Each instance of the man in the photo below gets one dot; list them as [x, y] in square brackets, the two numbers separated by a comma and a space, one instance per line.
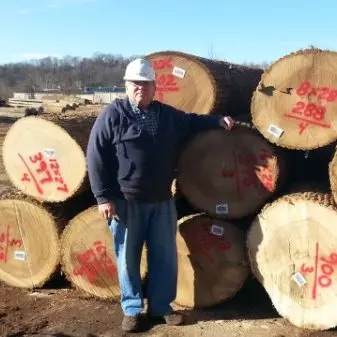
[131, 155]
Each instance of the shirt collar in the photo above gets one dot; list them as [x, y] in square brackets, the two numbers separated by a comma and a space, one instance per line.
[136, 109]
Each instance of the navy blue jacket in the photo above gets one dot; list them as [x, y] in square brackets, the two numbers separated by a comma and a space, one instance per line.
[126, 162]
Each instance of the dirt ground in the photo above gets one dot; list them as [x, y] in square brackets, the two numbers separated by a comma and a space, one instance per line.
[60, 310]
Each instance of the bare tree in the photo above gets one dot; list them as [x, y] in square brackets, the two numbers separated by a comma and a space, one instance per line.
[68, 73]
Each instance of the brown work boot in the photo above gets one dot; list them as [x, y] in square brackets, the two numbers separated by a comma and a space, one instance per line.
[172, 318]
[131, 323]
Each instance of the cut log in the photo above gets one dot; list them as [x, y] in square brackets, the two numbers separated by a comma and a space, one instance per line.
[212, 265]
[59, 106]
[294, 105]
[229, 174]
[29, 245]
[204, 86]
[11, 113]
[68, 98]
[27, 102]
[293, 253]
[46, 158]
[87, 255]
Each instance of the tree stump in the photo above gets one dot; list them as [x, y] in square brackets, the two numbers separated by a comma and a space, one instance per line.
[212, 265]
[45, 159]
[293, 253]
[294, 105]
[204, 86]
[29, 245]
[229, 174]
[87, 255]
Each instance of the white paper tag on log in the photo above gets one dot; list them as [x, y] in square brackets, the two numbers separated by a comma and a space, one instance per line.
[178, 72]
[275, 130]
[217, 230]
[221, 209]
[20, 255]
[50, 153]
[299, 279]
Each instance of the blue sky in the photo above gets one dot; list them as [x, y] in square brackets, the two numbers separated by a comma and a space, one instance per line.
[237, 31]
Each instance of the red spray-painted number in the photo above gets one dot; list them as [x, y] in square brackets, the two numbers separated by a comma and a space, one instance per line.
[6, 243]
[308, 114]
[323, 268]
[95, 263]
[41, 171]
[312, 113]
[245, 173]
[165, 82]
[165, 63]
[202, 241]
[322, 93]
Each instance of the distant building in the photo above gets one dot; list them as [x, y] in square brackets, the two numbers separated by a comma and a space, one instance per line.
[36, 94]
[103, 97]
[104, 89]
[95, 95]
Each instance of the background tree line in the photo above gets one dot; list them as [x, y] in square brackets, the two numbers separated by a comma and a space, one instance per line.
[68, 74]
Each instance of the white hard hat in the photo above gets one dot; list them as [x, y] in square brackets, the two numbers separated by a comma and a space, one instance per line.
[139, 70]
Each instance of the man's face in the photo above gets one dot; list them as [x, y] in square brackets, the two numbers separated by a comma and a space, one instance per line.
[141, 92]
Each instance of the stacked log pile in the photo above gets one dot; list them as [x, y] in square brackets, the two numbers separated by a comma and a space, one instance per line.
[44, 159]
[291, 243]
[223, 179]
[48, 104]
[232, 175]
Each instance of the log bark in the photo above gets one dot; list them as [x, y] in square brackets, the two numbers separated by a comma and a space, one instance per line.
[45, 157]
[229, 174]
[333, 175]
[292, 252]
[200, 85]
[5, 125]
[212, 261]
[294, 105]
[87, 255]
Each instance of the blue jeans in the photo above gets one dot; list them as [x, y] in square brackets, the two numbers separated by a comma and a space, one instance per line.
[155, 224]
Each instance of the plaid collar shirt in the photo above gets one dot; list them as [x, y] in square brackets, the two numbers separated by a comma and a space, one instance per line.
[147, 119]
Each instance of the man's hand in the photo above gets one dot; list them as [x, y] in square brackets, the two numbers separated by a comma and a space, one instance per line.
[107, 210]
[227, 122]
